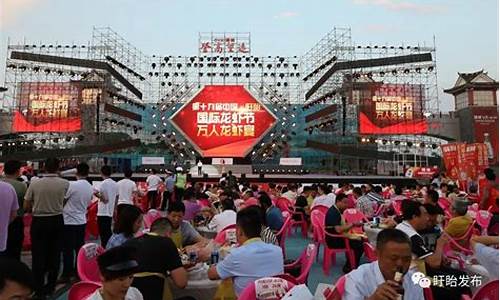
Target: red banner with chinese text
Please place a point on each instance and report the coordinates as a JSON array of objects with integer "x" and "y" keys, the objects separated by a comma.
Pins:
[
  {"x": 450, "y": 159},
  {"x": 465, "y": 162},
  {"x": 392, "y": 109},
  {"x": 223, "y": 121}
]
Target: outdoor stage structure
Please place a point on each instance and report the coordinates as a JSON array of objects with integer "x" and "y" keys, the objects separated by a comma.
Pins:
[{"x": 337, "y": 107}]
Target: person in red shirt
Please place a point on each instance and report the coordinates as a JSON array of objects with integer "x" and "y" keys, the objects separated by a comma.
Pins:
[{"x": 489, "y": 192}]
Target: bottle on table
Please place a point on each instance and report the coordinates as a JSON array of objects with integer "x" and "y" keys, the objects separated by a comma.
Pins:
[{"x": 398, "y": 277}]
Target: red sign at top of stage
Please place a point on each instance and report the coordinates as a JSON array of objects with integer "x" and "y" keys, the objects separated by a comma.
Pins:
[{"x": 223, "y": 121}]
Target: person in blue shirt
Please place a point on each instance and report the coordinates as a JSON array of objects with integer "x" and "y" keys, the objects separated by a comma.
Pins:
[
  {"x": 129, "y": 222},
  {"x": 274, "y": 218},
  {"x": 253, "y": 259}
]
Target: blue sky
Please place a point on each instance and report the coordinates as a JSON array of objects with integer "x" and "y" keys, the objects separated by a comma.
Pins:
[{"x": 466, "y": 31}]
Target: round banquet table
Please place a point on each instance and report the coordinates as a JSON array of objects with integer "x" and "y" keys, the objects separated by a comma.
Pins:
[
  {"x": 372, "y": 233},
  {"x": 199, "y": 286},
  {"x": 206, "y": 233}
]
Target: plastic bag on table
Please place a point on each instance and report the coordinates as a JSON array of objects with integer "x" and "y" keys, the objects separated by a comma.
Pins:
[{"x": 298, "y": 292}]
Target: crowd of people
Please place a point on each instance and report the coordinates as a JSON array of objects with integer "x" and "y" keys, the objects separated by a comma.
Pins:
[{"x": 419, "y": 219}]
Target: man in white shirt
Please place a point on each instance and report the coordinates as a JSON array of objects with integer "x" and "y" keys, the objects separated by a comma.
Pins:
[
  {"x": 226, "y": 217},
  {"x": 153, "y": 181},
  {"x": 78, "y": 198},
  {"x": 200, "y": 167},
  {"x": 325, "y": 197},
  {"x": 108, "y": 196},
  {"x": 376, "y": 280},
  {"x": 127, "y": 189},
  {"x": 291, "y": 194}
]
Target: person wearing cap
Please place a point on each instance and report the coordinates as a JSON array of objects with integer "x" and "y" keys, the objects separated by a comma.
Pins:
[
  {"x": 460, "y": 222},
  {"x": 117, "y": 266}
]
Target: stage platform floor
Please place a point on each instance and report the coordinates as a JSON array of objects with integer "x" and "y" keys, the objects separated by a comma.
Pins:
[{"x": 278, "y": 178}]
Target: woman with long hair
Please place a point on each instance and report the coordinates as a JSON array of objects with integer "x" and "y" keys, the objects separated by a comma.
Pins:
[{"x": 128, "y": 223}]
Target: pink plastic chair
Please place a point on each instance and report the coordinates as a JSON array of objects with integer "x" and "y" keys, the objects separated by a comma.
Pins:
[
  {"x": 321, "y": 208},
  {"x": 338, "y": 291},
  {"x": 86, "y": 262},
  {"x": 351, "y": 201},
  {"x": 150, "y": 217},
  {"x": 317, "y": 218},
  {"x": 306, "y": 261},
  {"x": 220, "y": 238},
  {"x": 329, "y": 254},
  {"x": 286, "y": 206},
  {"x": 483, "y": 218},
  {"x": 444, "y": 203},
  {"x": 370, "y": 253},
  {"x": 457, "y": 248},
  {"x": 27, "y": 219},
  {"x": 489, "y": 291},
  {"x": 249, "y": 292},
  {"x": 82, "y": 290},
  {"x": 353, "y": 215},
  {"x": 281, "y": 235},
  {"x": 397, "y": 206}
]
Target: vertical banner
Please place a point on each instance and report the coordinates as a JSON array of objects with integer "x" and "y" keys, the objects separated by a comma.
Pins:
[
  {"x": 465, "y": 162},
  {"x": 450, "y": 159}
]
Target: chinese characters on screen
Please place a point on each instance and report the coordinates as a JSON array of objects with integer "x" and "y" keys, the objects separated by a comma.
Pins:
[{"x": 225, "y": 119}]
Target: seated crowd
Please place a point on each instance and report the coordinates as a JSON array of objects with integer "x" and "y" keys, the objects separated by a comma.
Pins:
[{"x": 150, "y": 258}]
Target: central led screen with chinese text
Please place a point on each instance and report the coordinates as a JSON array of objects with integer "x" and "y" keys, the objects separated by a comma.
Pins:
[{"x": 223, "y": 121}]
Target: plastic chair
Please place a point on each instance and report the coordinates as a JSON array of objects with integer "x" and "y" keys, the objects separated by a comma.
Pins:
[
  {"x": 221, "y": 238},
  {"x": 150, "y": 217},
  {"x": 444, "y": 203},
  {"x": 249, "y": 292},
  {"x": 306, "y": 261},
  {"x": 285, "y": 205},
  {"x": 352, "y": 216},
  {"x": 27, "y": 219},
  {"x": 321, "y": 208},
  {"x": 457, "y": 248},
  {"x": 329, "y": 255},
  {"x": 317, "y": 218},
  {"x": 489, "y": 291},
  {"x": 338, "y": 291},
  {"x": 281, "y": 235},
  {"x": 351, "y": 201},
  {"x": 82, "y": 290},
  {"x": 397, "y": 206},
  {"x": 370, "y": 253},
  {"x": 92, "y": 229},
  {"x": 483, "y": 218},
  {"x": 86, "y": 262},
  {"x": 380, "y": 210}
]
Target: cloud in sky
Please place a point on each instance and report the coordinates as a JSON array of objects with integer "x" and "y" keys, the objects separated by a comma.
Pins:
[
  {"x": 11, "y": 10},
  {"x": 286, "y": 15},
  {"x": 403, "y": 6}
]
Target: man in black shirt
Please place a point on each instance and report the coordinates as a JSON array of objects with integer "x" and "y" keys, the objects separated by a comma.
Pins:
[
  {"x": 156, "y": 253},
  {"x": 335, "y": 224}
]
